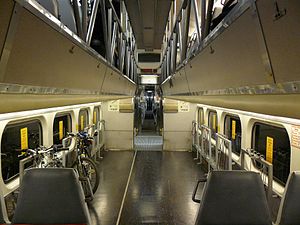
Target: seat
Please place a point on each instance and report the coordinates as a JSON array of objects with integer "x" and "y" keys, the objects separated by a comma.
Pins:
[
  {"x": 233, "y": 197},
  {"x": 288, "y": 213},
  {"x": 51, "y": 196}
]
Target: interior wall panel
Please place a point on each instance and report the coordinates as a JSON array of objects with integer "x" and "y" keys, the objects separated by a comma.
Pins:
[
  {"x": 42, "y": 56},
  {"x": 233, "y": 59},
  {"x": 277, "y": 105},
  {"x": 6, "y": 10},
  {"x": 23, "y": 102},
  {"x": 177, "y": 127},
  {"x": 118, "y": 128},
  {"x": 282, "y": 36}
]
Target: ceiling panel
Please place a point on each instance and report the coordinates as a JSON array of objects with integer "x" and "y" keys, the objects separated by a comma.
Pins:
[{"x": 148, "y": 19}]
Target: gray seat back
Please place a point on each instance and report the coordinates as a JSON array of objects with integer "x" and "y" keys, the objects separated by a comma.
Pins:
[
  {"x": 233, "y": 197},
  {"x": 51, "y": 196},
  {"x": 289, "y": 210}
]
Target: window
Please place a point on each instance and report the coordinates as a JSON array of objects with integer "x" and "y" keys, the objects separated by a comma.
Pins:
[
  {"x": 96, "y": 115},
  {"x": 233, "y": 132},
  {"x": 213, "y": 123},
  {"x": 149, "y": 57},
  {"x": 11, "y": 142},
  {"x": 270, "y": 140},
  {"x": 200, "y": 117},
  {"x": 83, "y": 119},
  {"x": 62, "y": 124}
]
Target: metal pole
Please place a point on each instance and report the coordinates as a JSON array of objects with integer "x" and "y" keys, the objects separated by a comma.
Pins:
[
  {"x": 92, "y": 22},
  {"x": 109, "y": 33},
  {"x": 208, "y": 18},
  {"x": 209, "y": 148},
  {"x": 174, "y": 57},
  {"x": 77, "y": 19},
  {"x": 180, "y": 38},
  {"x": 104, "y": 24},
  {"x": 113, "y": 42},
  {"x": 195, "y": 6},
  {"x": 203, "y": 13},
  {"x": 186, "y": 26},
  {"x": 84, "y": 18}
]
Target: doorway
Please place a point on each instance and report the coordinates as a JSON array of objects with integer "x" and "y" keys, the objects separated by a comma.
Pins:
[{"x": 148, "y": 118}]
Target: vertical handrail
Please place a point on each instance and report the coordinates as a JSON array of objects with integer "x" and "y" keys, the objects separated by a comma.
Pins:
[
  {"x": 267, "y": 167},
  {"x": 206, "y": 136}
]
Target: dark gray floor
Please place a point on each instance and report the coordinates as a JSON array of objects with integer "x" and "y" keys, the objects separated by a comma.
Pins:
[
  {"x": 161, "y": 188},
  {"x": 159, "y": 191},
  {"x": 114, "y": 170}
]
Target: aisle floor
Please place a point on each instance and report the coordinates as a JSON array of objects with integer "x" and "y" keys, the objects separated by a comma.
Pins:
[{"x": 159, "y": 192}]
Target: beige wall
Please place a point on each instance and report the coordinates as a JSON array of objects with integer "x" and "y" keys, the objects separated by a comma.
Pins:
[
  {"x": 178, "y": 127},
  {"x": 118, "y": 128}
]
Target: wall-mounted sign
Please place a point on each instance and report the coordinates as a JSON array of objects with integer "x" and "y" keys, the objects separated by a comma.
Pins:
[
  {"x": 183, "y": 106},
  {"x": 113, "y": 106},
  {"x": 296, "y": 136}
]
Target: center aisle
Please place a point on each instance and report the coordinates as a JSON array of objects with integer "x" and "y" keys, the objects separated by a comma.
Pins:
[
  {"x": 160, "y": 189},
  {"x": 159, "y": 192},
  {"x": 114, "y": 171}
]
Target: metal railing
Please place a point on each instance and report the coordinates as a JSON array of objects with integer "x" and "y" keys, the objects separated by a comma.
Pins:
[
  {"x": 205, "y": 144},
  {"x": 178, "y": 45},
  {"x": 223, "y": 153},
  {"x": 222, "y": 158},
  {"x": 264, "y": 167},
  {"x": 217, "y": 153}
]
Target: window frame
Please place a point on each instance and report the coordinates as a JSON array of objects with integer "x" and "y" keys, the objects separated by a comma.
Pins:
[
  {"x": 253, "y": 137},
  {"x": 70, "y": 121},
  {"x": 20, "y": 124},
  {"x": 86, "y": 121},
  {"x": 98, "y": 117},
  {"x": 236, "y": 117},
  {"x": 213, "y": 131},
  {"x": 201, "y": 120}
]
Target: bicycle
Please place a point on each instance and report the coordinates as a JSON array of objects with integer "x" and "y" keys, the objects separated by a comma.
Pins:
[
  {"x": 41, "y": 157},
  {"x": 86, "y": 167}
]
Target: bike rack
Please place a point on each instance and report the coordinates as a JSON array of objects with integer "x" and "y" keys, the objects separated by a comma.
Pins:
[
  {"x": 195, "y": 139},
  {"x": 266, "y": 170},
  {"x": 205, "y": 147},
  {"x": 223, "y": 159}
]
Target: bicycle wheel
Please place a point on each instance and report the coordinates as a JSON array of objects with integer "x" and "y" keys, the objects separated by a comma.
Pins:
[{"x": 90, "y": 170}]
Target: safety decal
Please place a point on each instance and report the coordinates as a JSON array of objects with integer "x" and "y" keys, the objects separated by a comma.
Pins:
[{"x": 24, "y": 138}]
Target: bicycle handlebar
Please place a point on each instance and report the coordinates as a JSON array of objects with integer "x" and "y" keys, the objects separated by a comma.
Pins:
[{"x": 44, "y": 150}]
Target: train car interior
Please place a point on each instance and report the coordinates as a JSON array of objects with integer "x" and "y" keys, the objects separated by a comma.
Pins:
[{"x": 150, "y": 112}]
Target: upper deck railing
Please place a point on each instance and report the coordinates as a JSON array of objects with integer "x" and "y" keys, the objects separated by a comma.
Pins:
[
  {"x": 183, "y": 39},
  {"x": 77, "y": 19}
]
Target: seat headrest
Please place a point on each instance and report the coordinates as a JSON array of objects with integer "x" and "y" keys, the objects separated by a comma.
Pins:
[
  {"x": 290, "y": 203},
  {"x": 234, "y": 197},
  {"x": 51, "y": 196}
]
